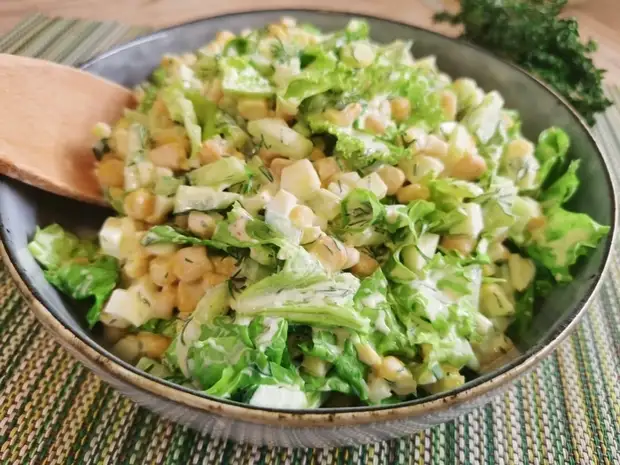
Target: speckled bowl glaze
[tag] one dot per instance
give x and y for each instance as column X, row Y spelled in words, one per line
column 22, row 208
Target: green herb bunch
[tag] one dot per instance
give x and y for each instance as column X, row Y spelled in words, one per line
column 531, row 34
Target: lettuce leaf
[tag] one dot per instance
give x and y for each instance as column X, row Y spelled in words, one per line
column 166, row 234
column 358, row 148
column 562, row 189
column 75, row 267
column 53, row 245
column 304, row 293
column 182, row 110
column 360, row 210
column 243, row 230
column 347, row 365
column 388, row 335
column 551, row 150
column 241, row 78
column 565, row 237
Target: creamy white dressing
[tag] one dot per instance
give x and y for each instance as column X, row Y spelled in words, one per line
column 373, row 300
column 272, row 325
column 380, row 324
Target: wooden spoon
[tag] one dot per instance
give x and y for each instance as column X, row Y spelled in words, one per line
column 46, row 119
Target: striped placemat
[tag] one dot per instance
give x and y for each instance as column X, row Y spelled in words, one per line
column 54, row 411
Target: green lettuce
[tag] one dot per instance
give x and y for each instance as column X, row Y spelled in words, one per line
column 220, row 174
column 388, row 335
column 76, row 267
column 182, row 110
column 562, row 189
column 166, row 234
column 551, row 150
column 304, row 293
column 241, row 78
column 243, row 230
column 360, row 210
column 347, row 365
column 565, row 237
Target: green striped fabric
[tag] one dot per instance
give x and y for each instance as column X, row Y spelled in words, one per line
column 54, row 411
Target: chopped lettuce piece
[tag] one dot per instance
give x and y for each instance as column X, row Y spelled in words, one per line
column 304, row 293
column 241, row 78
column 243, row 230
column 552, row 147
column 361, row 209
column 388, row 335
column 82, row 280
column 53, row 245
column 563, row 239
column 214, row 302
column 182, row 110
column 357, row 148
column 562, row 189
column 347, row 365
column 166, row 328
column 75, row 267
column 202, row 199
column 166, row 234
column 206, row 113
column 483, row 120
column 220, row 174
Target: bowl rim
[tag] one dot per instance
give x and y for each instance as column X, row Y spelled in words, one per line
column 485, row 384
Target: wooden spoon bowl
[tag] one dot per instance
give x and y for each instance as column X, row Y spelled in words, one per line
column 48, row 112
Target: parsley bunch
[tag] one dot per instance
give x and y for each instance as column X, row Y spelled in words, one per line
column 531, row 34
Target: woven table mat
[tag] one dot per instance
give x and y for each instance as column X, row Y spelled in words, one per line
column 54, row 411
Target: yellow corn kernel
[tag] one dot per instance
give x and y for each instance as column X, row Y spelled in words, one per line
column 225, row 266
column 139, row 204
column 160, row 271
column 365, row 266
column 169, row 155
column 153, row 345
column 191, row 263
column 412, row 192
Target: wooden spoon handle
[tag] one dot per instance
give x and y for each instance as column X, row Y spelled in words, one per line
column 48, row 112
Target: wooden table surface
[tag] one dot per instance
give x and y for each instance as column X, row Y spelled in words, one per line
column 599, row 19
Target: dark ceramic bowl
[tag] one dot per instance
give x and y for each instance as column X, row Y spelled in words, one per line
column 23, row 208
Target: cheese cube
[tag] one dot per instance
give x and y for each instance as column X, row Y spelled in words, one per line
column 374, row 184
column 325, row 204
column 473, row 223
column 419, row 166
column 300, row 179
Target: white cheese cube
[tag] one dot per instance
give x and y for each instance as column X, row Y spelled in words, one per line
column 282, row 203
column 343, row 183
column 325, row 204
column 119, row 237
column 129, row 307
column 415, row 257
column 257, row 202
column 277, row 213
column 473, row 223
column 419, row 166
column 300, row 179
column 374, row 184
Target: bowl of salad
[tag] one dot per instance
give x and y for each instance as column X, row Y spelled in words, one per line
column 323, row 229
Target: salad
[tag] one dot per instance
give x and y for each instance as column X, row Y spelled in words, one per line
column 310, row 219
